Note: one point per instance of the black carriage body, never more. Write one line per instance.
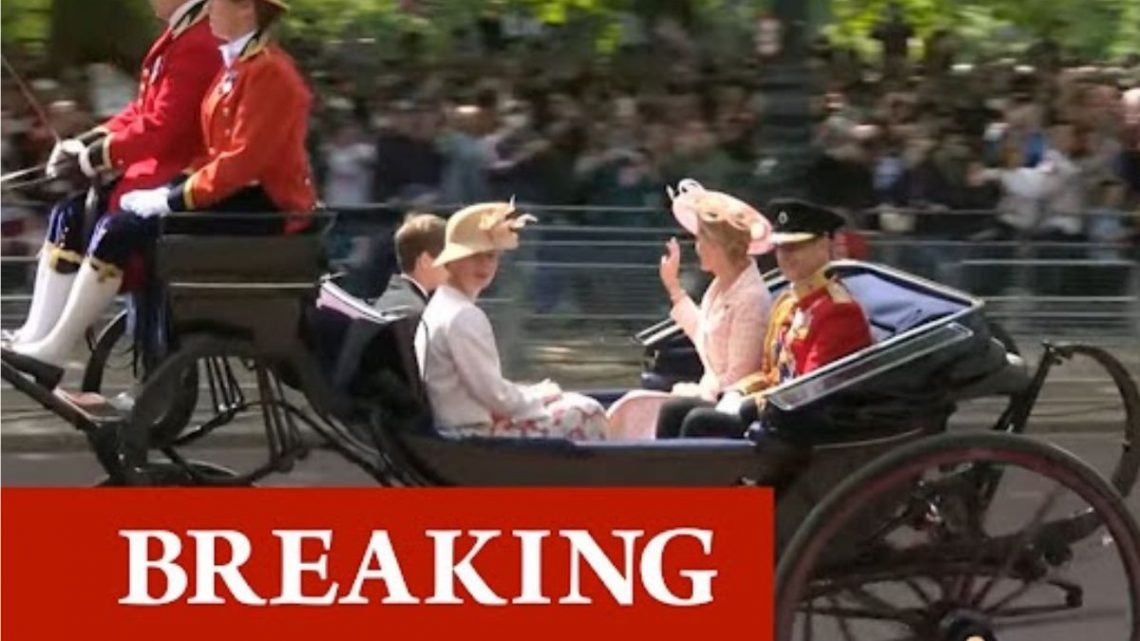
(252, 288)
(933, 343)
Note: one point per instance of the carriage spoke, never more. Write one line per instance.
(882, 609)
(1018, 544)
(1039, 615)
(1073, 598)
(842, 614)
(844, 625)
(1015, 594)
(917, 589)
(809, 622)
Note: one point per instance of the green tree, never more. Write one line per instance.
(115, 31)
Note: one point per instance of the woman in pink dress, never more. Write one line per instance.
(727, 328)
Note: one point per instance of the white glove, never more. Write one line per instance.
(63, 152)
(730, 402)
(146, 202)
(85, 164)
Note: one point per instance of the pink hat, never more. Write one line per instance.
(691, 202)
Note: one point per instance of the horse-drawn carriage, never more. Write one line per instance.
(888, 525)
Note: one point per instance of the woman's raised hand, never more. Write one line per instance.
(670, 270)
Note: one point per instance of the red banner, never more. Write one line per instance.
(351, 564)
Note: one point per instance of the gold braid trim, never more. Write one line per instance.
(192, 17)
(104, 269)
(188, 192)
(58, 254)
(753, 382)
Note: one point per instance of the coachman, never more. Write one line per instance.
(251, 159)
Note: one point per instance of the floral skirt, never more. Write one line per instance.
(572, 416)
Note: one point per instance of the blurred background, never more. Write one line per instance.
(920, 120)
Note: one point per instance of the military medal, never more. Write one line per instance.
(227, 83)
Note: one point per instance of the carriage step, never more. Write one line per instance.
(96, 408)
(44, 374)
(46, 397)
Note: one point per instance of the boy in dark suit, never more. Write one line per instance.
(418, 241)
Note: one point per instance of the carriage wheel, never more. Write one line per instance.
(108, 350)
(1053, 555)
(242, 388)
(112, 350)
(1127, 468)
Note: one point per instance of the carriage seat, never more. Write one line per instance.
(896, 303)
(368, 359)
(349, 335)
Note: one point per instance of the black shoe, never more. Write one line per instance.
(45, 374)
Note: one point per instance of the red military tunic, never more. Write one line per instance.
(156, 136)
(255, 121)
(811, 325)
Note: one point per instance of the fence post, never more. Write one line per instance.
(1136, 300)
(1022, 286)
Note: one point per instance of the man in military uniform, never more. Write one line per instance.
(254, 122)
(814, 321)
(150, 141)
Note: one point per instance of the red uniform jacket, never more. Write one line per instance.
(810, 327)
(255, 120)
(156, 136)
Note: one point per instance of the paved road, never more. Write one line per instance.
(75, 468)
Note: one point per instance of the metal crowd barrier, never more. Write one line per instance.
(586, 279)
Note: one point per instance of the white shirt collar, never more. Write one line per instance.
(181, 11)
(231, 50)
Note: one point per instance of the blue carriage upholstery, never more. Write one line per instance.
(367, 355)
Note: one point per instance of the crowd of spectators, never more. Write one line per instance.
(1052, 148)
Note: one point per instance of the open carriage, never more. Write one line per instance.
(888, 525)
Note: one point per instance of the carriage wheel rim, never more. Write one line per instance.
(842, 505)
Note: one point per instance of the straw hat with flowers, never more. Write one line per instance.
(693, 204)
(485, 227)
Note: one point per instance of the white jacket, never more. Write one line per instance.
(459, 362)
(1052, 188)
